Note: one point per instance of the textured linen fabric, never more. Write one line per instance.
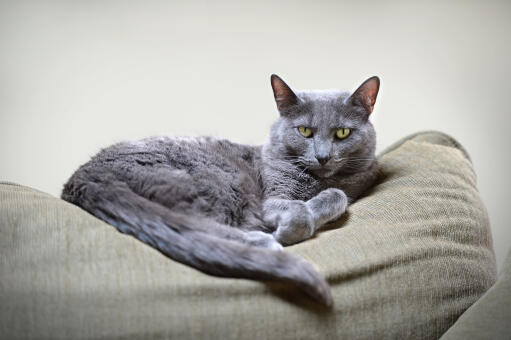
(404, 263)
(490, 316)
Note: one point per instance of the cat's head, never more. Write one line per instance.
(327, 132)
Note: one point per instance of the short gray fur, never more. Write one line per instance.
(226, 208)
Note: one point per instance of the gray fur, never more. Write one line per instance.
(226, 208)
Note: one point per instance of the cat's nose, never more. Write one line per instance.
(322, 159)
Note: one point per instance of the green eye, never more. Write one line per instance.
(305, 131)
(343, 133)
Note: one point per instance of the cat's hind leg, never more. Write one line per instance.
(254, 238)
(261, 239)
(176, 190)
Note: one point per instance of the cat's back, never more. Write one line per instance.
(191, 154)
(203, 173)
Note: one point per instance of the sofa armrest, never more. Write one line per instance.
(490, 316)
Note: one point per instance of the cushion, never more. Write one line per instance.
(405, 261)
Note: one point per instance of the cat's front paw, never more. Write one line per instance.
(293, 220)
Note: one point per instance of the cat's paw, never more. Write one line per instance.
(261, 239)
(328, 206)
(293, 220)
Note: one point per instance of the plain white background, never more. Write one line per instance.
(78, 75)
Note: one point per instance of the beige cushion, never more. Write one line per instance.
(404, 262)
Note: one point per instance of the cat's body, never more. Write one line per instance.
(225, 208)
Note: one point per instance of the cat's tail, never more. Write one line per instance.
(180, 238)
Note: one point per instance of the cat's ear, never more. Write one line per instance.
(284, 96)
(365, 95)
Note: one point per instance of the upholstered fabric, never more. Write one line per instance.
(404, 262)
(490, 316)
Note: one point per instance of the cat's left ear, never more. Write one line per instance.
(365, 95)
(284, 96)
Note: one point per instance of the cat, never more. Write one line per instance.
(227, 209)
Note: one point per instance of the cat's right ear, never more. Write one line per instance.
(284, 96)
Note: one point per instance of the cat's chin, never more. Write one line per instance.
(323, 172)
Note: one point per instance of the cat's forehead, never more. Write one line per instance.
(325, 108)
(333, 96)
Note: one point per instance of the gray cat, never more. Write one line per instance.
(226, 208)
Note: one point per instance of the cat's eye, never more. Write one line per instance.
(343, 133)
(305, 131)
